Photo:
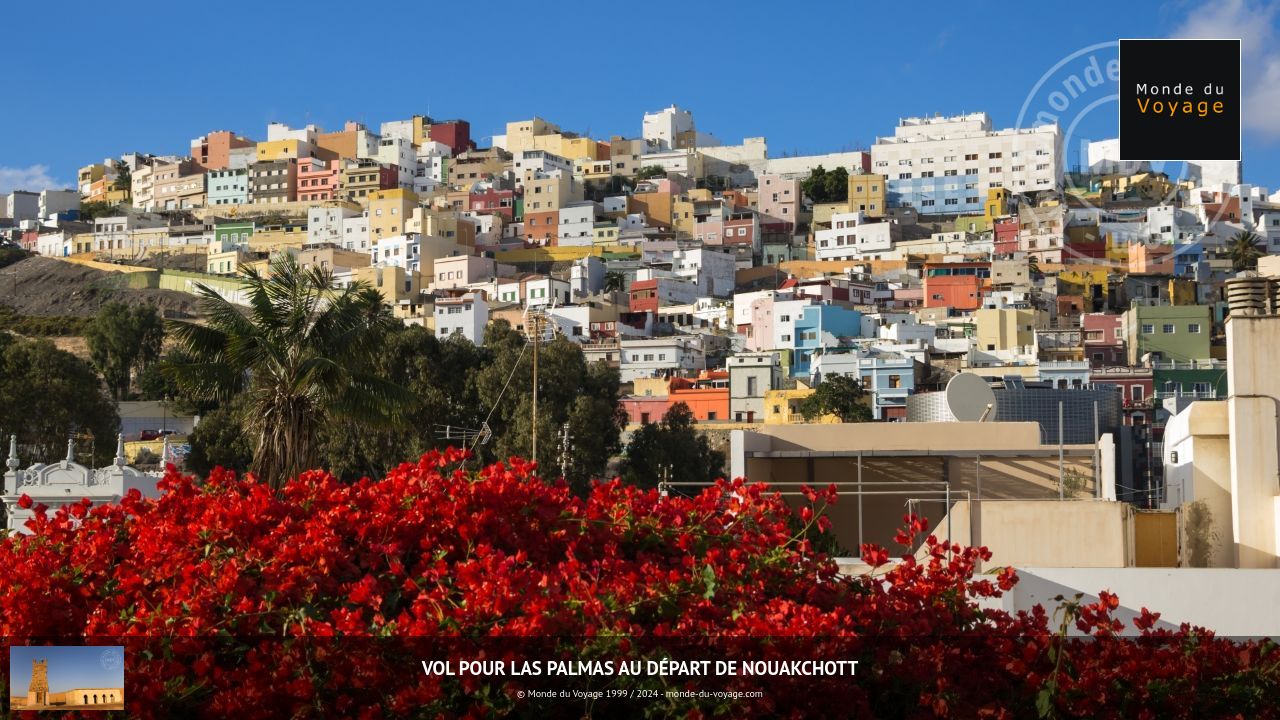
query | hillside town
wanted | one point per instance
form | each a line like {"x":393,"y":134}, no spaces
{"x":1090,"y":297}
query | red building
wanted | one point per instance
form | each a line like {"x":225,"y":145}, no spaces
{"x":644,"y":296}
{"x":454,"y":133}
{"x":1005,"y":232}
{"x":1104,"y":339}
{"x":494,"y":202}
{"x":960,"y":286}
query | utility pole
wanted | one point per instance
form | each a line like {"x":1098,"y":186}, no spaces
{"x":534,"y":317}
{"x":564,"y":451}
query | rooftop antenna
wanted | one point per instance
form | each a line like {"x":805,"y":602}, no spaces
{"x":970,"y":398}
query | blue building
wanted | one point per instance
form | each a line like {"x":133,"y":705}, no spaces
{"x":946,"y":195}
{"x":888,"y":378}
{"x":822,"y":326}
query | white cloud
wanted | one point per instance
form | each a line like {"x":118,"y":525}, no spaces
{"x":34,"y":178}
{"x":1254,"y":24}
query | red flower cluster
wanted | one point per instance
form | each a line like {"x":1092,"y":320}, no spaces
{"x":321,"y":600}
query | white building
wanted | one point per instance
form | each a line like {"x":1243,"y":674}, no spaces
{"x":577,"y":224}
{"x":465,"y":315}
{"x":66,"y":482}
{"x":714,"y":272}
{"x":665,"y":127}
{"x":53,"y":202}
{"x":403,"y":251}
{"x":654,"y":357}
{"x":1104,"y":159}
{"x":324,"y":223}
{"x":355,"y":232}
{"x":23,"y":205}
{"x":751,"y":375}
{"x":946,"y":165}
{"x":851,"y":237}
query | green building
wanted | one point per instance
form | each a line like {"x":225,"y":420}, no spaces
{"x":232,"y":234}
{"x":1168,"y":332}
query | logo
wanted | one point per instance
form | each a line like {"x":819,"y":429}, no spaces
{"x":111,"y":659}
{"x":1180,"y":98}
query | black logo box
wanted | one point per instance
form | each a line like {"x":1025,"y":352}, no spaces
{"x":1186,"y":68}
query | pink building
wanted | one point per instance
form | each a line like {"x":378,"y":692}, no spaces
{"x":317,"y":180}
{"x":1104,"y":339}
{"x":760,"y":332}
{"x":779,"y":201}
{"x":1151,"y":259}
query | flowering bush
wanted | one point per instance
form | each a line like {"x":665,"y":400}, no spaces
{"x":320,"y":601}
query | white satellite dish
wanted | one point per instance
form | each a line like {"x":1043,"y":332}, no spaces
{"x":970,"y":398}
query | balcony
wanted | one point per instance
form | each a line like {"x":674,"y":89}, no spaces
{"x":1210,"y":394}
{"x":1189,"y":365}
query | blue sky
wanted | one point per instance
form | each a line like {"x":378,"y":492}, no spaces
{"x":89,"y":80}
{"x":70,"y":667}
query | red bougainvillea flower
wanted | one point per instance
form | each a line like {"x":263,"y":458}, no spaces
{"x":322,"y":600}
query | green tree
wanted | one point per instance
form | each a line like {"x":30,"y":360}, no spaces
{"x":124,"y":177}
{"x":823,"y":187}
{"x":837,"y":395}
{"x":304,"y":354}
{"x":124,"y":340}
{"x":220,"y":441}
{"x":90,"y":211}
{"x":46,"y":394}
{"x":673,"y":449}
{"x":571,"y":391}
{"x":614,"y":281}
{"x":651,"y":171}
{"x":1244,"y":249}
{"x":438,"y":375}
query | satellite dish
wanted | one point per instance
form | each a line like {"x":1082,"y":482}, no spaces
{"x":970,"y":398}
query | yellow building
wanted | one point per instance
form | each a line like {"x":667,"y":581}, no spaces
{"x":1006,"y":328}
{"x":521,"y":134}
{"x":867,"y":194}
{"x":88,"y":175}
{"x":997,"y":204}
{"x":1148,"y":186}
{"x":390,"y":212}
{"x":395,"y":284}
{"x":283,"y":149}
{"x":782,"y":407}
{"x":605,"y":234}
{"x":274,"y":238}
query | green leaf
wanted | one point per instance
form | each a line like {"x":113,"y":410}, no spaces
{"x":1044,"y":702}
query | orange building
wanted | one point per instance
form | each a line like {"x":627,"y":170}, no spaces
{"x":213,"y":151}
{"x":542,"y":228}
{"x":956,"y":285}
{"x":1155,"y":259}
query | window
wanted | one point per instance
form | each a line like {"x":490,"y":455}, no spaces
{"x":995,"y":169}
{"x":949,"y":173}
{"x":1136,"y":392}
{"x":1119,"y":332}
{"x":927,"y":174}
{"x":904,"y":176}
{"x":926,"y":203}
{"x":973,"y":156}
{"x":1193,"y":328}
{"x":993,"y":156}
{"x":895,"y":381}
{"x":971,"y":171}
{"x":1148,"y":328}
{"x":952,"y":201}
{"x":711,"y":415}
{"x":1202,"y":389}
{"x":1167,"y":328}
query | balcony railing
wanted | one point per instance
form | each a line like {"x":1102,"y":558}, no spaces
{"x":1189,"y":365}
{"x":1210,"y":394}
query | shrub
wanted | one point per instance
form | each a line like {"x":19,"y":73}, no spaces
{"x":321,"y":599}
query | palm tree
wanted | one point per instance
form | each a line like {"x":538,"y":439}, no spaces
{"x":302,"y":352}
{"x":1244,"y":249}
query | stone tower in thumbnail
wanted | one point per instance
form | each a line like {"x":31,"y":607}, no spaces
{"x":38,"y":692}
